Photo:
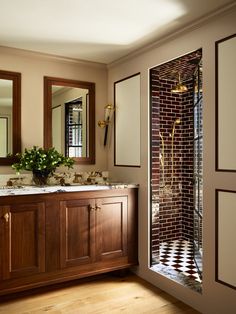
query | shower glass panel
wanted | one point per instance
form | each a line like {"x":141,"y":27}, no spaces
{"x":198,"y":186}
{"x":196,"y":123}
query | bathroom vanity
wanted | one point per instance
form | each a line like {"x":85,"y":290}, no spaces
{"x":56,"y":234}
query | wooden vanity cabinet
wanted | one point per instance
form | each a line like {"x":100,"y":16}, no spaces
{"x":93,"y":230}
{"x":56,"y":237}
{"x":22,"y":241}
{"x":77,"y":232}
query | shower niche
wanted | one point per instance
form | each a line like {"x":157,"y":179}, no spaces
{"x":176,"y":169}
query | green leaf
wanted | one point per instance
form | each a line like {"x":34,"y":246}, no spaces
{"x":38,"y":158}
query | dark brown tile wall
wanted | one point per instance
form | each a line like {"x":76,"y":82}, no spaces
{"x":172,"y":206}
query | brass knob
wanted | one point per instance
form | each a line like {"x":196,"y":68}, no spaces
{"x":91,"y":208}
{"x":6,"y":217}
{"x":98,"y":208}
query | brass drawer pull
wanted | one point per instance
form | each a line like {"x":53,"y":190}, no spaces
{"x":98,"y":208}
{"x":91,"y":208}
{"x":6,"y":217}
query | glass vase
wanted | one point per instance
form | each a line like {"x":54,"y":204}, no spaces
{"x":40,"y":177}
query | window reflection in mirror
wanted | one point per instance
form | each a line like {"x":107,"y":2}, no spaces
{"x":10,"y":131}
{"x":69,"y":121}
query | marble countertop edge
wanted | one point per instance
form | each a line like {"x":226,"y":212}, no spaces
{"x":30,"y":189}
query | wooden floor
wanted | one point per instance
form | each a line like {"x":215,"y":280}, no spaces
{"x":106,"y":294}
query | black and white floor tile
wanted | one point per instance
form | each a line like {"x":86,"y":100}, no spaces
{"x":176,"y":263}
{"x":178,"y":254}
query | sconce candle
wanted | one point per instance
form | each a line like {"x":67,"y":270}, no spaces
{"x":109,"y":109}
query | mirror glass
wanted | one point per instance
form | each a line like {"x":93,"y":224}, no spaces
{"x":6,"y":105}
{"x":69,"y":118}
{"x":9,"y":115}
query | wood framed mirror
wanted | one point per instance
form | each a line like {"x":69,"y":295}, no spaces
{"x":69,"y":118}
{"x":10,"y":115}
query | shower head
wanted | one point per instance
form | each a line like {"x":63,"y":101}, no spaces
{"x":177,"y":121}
{"x":180,"y":87}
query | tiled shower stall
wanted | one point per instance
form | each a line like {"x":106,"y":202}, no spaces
{"x":174,"y":220}
{"x":172,"y":156}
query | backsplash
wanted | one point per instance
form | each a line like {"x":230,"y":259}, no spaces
{"x":90,"y":177}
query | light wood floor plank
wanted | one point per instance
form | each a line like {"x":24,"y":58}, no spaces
{"x":107,"y":294}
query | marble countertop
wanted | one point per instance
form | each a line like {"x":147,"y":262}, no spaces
{"x":26,"y":190}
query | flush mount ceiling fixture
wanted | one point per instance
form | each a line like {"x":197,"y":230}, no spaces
{"x":99,"y":31}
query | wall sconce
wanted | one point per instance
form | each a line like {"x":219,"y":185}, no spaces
{"x":109,"y":109}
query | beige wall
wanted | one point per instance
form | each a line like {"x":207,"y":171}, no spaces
{"x":33,"y":68}
{"x":216,"y":298}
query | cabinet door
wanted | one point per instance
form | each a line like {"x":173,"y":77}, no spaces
{"x":111,"y":227}
{"x":22,"y":240}
{"x":77,"y":232}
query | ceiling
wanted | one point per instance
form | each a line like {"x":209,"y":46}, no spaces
{"x":96,"y":30}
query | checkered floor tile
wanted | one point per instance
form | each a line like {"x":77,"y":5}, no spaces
{"x":178,"y":254}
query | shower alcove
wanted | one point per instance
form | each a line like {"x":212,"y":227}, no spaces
{"x":176,"y":169}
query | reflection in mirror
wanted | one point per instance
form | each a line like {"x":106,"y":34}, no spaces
{"x":6,"y":103}
{"x":9,"y":115}
{"x":4,"y":138}
{"x":69,"y":118}
{"x":69,"y":121}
